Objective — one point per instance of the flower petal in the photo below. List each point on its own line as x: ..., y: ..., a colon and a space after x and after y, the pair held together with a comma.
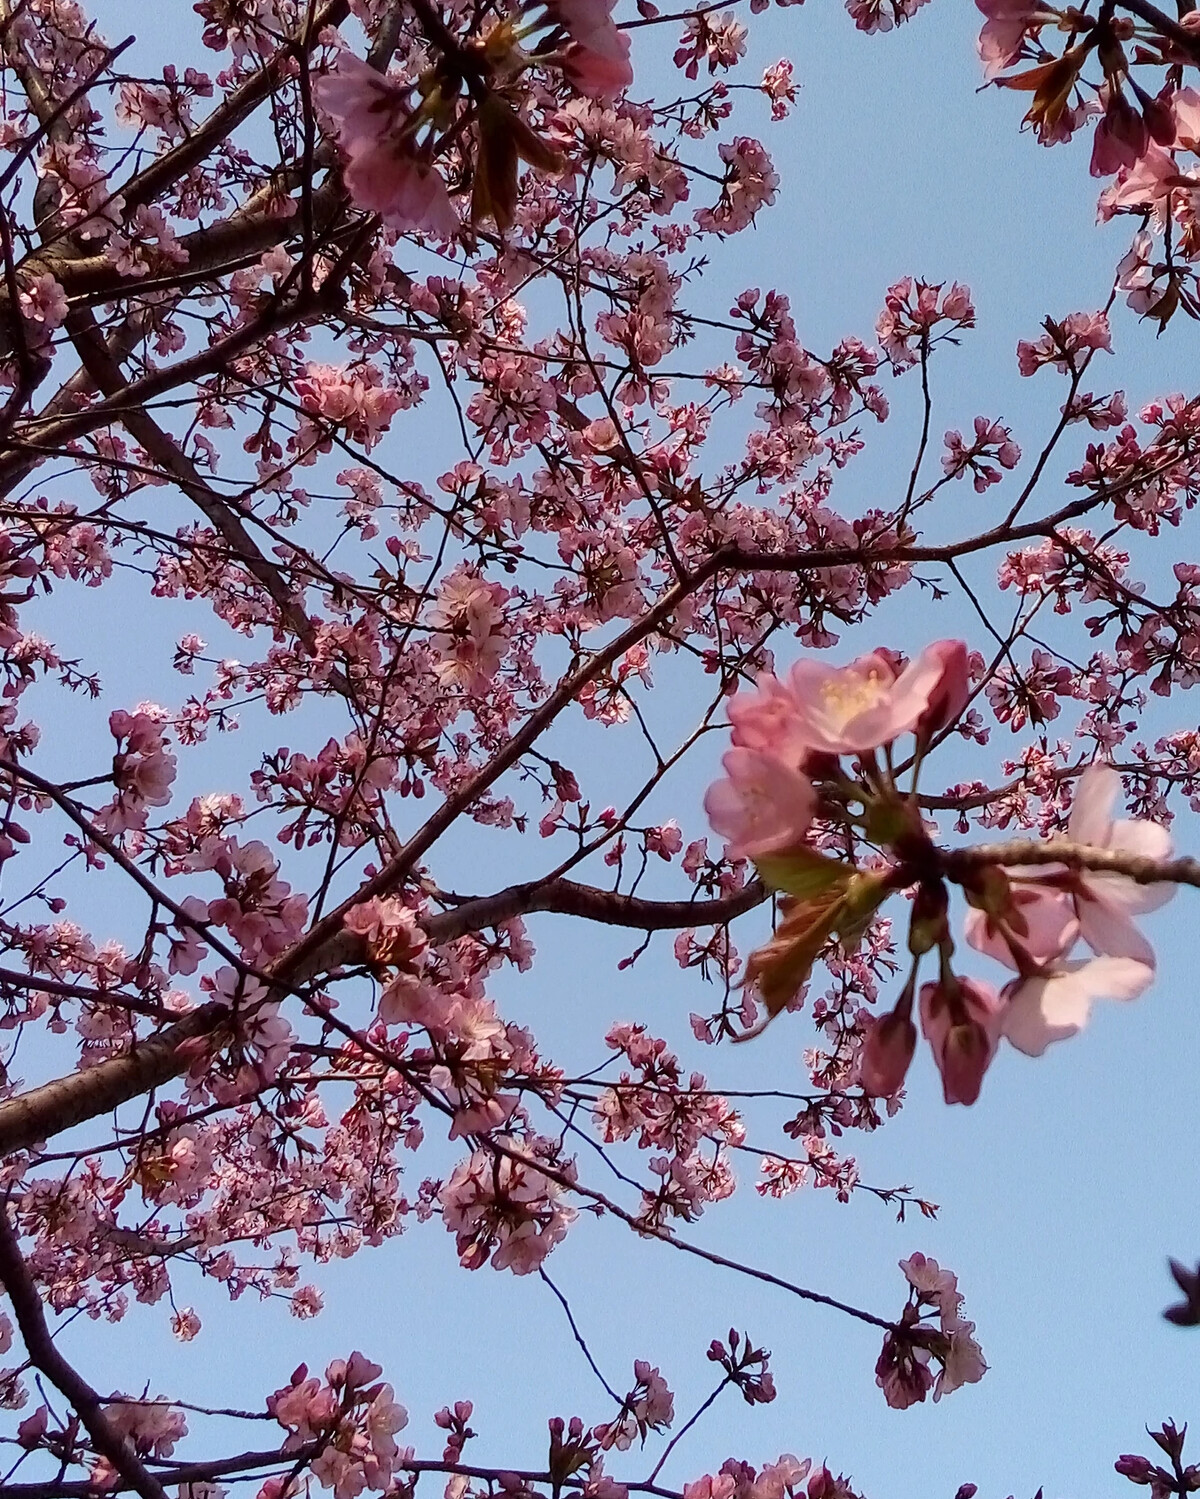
x: 1054, y: 1006
x: 1091, y: 818
x: 1149, y: 840
x: 1108, y: 928
x: 1049, y: 915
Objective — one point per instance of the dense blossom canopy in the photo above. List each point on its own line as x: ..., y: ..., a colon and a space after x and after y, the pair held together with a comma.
x: 247, y: 1012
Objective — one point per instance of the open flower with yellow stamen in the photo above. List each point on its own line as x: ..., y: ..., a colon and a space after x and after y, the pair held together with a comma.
x: 851, y: 709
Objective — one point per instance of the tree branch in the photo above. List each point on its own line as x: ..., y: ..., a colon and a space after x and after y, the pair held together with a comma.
x: 239, y: 106
x: 1023, y: 851
x: 568, y: 898
x: 560, y: 898
x: 170, y: 457
x: 27, y: 1306
x: 56, y: 1106
x: 1187, y: 41
x: 185, y: 1473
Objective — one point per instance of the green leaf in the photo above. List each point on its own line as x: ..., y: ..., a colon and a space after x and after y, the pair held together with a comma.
x: 864, y: 896
x: 803, y: 872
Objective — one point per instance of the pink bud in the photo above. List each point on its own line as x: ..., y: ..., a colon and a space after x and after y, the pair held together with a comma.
x: 965, y: 1059
x: 886, y: 1054
x: 949, y: 697
x: 962, y: 1026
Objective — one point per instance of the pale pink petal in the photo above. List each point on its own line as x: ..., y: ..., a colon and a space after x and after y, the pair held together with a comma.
x: 1129, y: 895
x: 1149, y: 840
x: 768, y: 719
x: 596, y: 75
x: 358, y: 97
x: 1106, y: 924
x: 1147, y: 184
x: 1049, y: 915
x: 1057, y: 1005
x: 408, y: 193
x: 762, y: 807
x: 953, y: 687
x: 1091, y: 818
x: 590, y: 24
x: 920, y: 680
x: 1187, y: 118
x: 1003, y: 32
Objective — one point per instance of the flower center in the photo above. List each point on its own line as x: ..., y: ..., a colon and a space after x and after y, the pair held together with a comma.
x: 847, y: 695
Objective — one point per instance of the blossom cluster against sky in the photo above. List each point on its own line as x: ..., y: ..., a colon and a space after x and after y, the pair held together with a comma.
x: 1064, y: 1189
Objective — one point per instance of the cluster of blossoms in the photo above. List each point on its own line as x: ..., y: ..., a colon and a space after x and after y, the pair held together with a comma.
x: 392, y: 133
x: 143, y: 770
x: 1147, y: 133
x: 506, y: 1207
x: 788, y: 791
x: 303, y: 992
x: 649, y: 1406
x: 350, y: 1417
x: 903, y: 1372
x: 693, y: 1127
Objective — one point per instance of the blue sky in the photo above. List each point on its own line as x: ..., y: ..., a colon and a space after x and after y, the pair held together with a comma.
x: 1064, y: 1189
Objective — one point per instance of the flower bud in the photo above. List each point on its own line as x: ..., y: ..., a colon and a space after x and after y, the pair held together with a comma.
x: 965, y: 1059
x: 927, y: 927
x: 961, y: 1021
x: 887, y: 1053
x: 1170, y: 1439
x: 820, y: 1485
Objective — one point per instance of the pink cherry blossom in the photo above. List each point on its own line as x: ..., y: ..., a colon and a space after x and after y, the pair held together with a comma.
x: 649, y: 1406
x: 1055, y: 1003
x: 1147, y: 183
x: 963, y: 1362
x: 506, y: 1209
x: 1004, y: 32
x: 1046, y: 912
x: 936, y: 1285
x: 151, y: 1427
x: 750, y: 183
x: 596, y: 59
x: 384, y: 172
x: 1106, y: 902
x: 856, y: 708
x: 43, y: 306
x: 902, y: 1372
x: 762, y: 807
x: 1066, y: 345
x: 769, y: 718
x: 143, y: 771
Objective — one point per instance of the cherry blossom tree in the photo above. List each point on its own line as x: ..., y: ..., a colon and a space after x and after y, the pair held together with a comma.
x: 243, y: 1008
